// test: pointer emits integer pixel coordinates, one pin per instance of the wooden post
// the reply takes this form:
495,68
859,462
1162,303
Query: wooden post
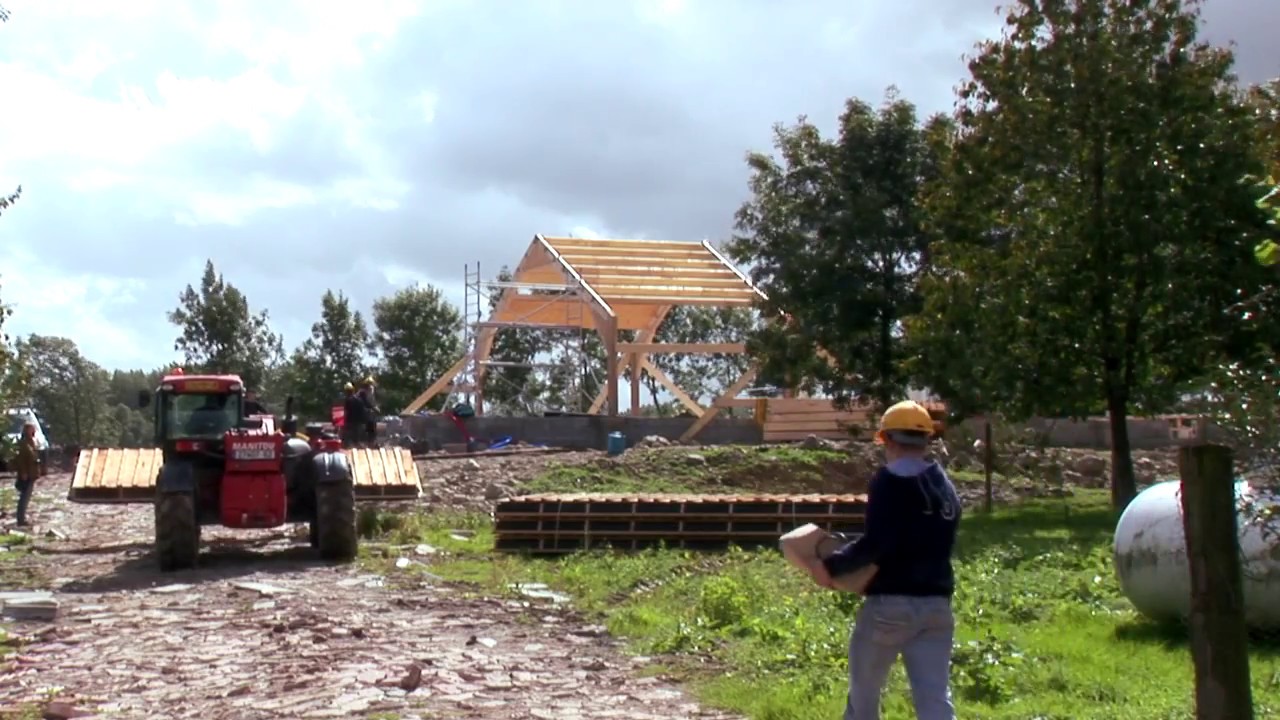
988,464
636,370
1219,639
609,329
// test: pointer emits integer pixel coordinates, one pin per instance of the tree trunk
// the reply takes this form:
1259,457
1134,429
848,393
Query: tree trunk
1123,484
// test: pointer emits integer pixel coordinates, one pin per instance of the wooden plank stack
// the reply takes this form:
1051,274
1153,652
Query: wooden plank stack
791,419
546,524
128,475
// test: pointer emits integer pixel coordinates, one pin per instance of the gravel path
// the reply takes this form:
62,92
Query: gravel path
261,630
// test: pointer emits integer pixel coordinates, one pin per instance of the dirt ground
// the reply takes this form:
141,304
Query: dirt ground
261,630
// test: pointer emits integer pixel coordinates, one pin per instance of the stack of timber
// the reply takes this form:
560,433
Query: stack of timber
568,523
791,419
128,475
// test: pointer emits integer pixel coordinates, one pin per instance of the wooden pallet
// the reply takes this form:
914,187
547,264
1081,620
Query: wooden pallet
791,419
567,523
128,475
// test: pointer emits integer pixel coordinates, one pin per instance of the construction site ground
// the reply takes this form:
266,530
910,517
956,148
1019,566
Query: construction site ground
262,630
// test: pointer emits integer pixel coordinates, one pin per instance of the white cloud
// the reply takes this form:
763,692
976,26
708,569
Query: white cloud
212,208
320,133
92,310
428,101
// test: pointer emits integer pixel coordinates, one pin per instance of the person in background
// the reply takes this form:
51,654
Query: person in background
371,411
912,516
28,467
252,406
353,417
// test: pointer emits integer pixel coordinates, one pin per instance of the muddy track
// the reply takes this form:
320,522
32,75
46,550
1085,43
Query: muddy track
263,630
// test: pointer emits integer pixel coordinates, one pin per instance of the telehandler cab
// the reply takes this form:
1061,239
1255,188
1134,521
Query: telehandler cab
221,467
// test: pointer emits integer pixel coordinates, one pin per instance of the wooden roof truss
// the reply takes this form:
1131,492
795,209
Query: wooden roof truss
607,286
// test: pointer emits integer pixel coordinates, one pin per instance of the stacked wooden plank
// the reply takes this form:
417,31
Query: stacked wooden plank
128,475
790,419
568,523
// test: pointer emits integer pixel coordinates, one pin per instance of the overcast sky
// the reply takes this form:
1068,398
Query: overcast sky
366,146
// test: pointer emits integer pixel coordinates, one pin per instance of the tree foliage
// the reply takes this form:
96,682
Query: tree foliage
219,333
702,376
1096,231
13,375
334,355
833,235
69,391
416,333
514,388
1264,101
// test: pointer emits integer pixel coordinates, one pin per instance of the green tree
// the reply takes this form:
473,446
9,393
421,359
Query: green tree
1264,101
833,235
416,336
220,334
514,388
702,376
1096,230
578,371
333,355
132,426
13,375
68,390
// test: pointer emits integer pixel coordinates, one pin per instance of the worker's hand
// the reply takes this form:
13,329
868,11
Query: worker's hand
821,575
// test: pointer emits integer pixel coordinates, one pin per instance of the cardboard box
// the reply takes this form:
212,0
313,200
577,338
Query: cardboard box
808,545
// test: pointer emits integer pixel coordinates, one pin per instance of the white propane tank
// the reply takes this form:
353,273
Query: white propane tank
1151,557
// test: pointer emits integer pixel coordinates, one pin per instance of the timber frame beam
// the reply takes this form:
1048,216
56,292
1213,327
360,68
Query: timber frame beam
608,286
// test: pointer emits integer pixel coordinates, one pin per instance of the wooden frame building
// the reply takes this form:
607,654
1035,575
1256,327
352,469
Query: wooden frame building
609,286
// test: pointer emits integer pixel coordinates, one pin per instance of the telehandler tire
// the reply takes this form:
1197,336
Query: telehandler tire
177,532
335,523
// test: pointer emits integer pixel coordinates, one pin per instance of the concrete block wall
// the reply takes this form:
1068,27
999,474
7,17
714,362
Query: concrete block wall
591,432
579,432
1095,433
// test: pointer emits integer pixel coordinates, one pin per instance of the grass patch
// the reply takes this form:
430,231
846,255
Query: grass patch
16,568
707,469
735,469
1043,630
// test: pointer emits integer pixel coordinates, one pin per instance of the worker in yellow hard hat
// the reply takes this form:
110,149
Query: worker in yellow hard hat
911,519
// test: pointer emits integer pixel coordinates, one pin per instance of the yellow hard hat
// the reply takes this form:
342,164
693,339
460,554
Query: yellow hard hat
907,422
348,386
368,380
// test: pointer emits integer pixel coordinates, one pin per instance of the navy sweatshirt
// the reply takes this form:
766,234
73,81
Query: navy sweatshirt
911,519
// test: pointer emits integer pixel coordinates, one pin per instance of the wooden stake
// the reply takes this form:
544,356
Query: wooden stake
1219,638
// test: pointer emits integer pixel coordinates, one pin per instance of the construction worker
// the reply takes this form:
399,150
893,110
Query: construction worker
371,411
912,515
353,417
28,467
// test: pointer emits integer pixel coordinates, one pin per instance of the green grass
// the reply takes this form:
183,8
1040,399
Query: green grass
16,570
733,469
1043,630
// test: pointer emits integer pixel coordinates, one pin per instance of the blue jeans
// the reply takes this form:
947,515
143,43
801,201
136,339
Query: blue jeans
24,486
921,630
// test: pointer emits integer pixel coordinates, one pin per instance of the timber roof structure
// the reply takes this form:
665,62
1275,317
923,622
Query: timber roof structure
607,286
637,282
